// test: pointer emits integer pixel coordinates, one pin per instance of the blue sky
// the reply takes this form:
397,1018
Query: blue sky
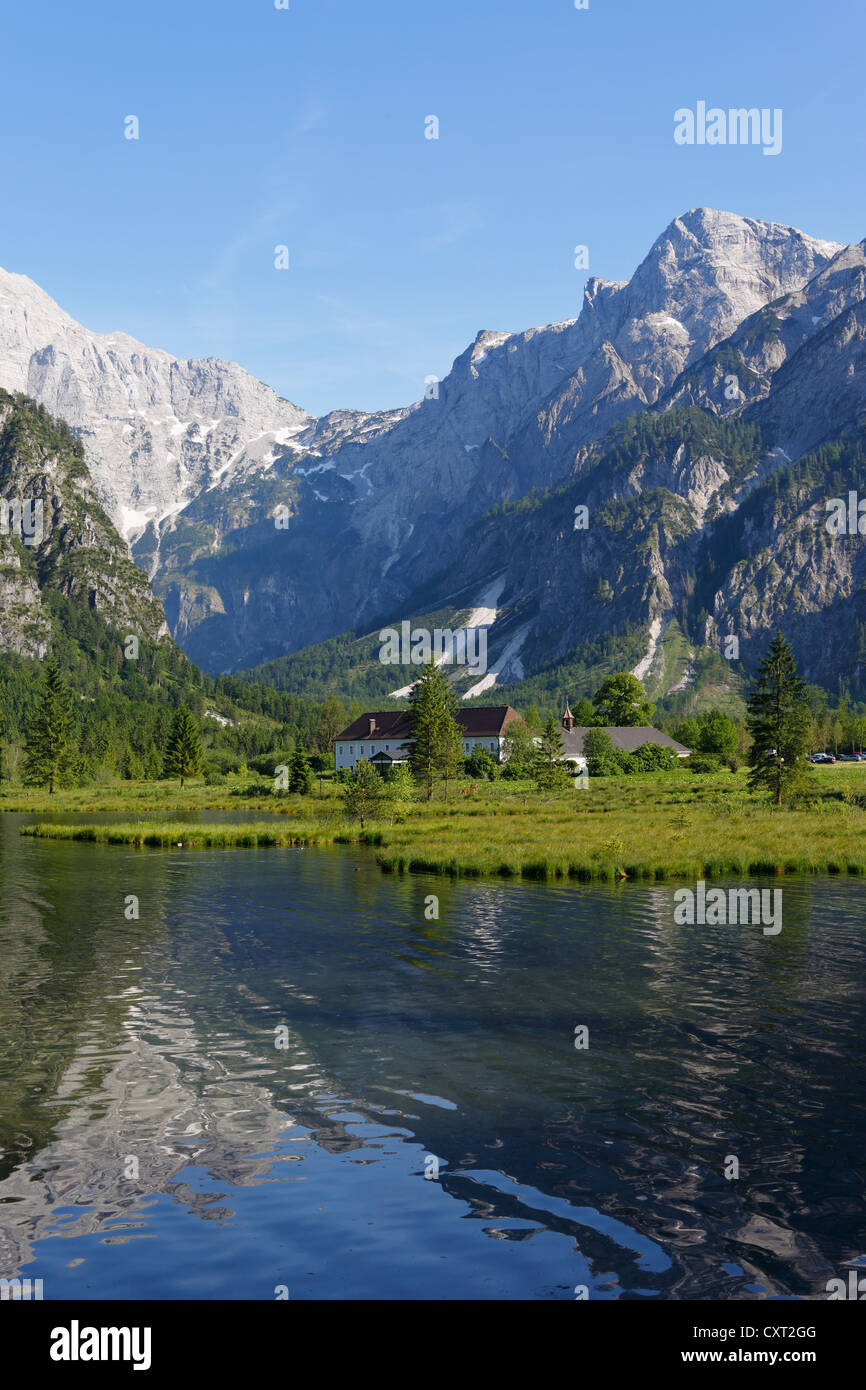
305,127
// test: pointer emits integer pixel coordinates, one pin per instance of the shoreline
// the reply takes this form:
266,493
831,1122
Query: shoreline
395,860
652,828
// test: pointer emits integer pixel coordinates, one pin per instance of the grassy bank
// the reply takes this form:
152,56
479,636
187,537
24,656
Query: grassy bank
155,799
189,836
668,825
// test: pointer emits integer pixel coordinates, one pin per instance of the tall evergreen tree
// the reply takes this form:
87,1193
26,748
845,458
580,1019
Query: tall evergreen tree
551,771
779,721
436,737
450,750
49,747
300,775
183,749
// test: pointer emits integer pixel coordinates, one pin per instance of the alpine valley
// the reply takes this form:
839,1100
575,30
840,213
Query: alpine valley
626,489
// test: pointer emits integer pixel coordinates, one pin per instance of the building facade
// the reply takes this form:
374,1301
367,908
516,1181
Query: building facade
627,738
383,736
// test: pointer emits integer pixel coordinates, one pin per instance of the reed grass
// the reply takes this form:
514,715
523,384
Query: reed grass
662,826
183,836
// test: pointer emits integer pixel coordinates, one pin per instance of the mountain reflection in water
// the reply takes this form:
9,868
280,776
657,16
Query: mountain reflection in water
156,1142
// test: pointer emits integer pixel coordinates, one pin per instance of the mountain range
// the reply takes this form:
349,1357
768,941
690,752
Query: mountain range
628,488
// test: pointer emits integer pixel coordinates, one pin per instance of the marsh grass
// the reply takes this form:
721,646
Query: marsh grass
180,835
655,827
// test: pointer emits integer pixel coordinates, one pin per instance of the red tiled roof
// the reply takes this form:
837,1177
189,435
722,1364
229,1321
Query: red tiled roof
476,722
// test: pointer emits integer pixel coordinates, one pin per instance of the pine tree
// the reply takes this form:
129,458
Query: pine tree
450,750
551,771
779,721
183,749
300,774
49,748
362,792
436,737
152,764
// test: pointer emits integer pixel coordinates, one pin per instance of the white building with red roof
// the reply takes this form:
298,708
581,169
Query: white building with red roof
382,737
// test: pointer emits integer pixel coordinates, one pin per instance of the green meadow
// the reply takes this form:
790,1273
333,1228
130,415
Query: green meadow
663,825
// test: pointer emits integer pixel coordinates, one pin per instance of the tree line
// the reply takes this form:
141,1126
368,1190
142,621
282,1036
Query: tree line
777,734
779,729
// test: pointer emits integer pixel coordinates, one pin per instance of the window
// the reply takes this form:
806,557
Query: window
351,748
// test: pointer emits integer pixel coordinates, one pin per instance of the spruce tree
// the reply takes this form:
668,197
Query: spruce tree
436,737
183,750
49,747
779,721
450,750
551,771
300,774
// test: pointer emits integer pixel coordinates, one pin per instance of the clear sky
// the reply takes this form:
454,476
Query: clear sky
305,127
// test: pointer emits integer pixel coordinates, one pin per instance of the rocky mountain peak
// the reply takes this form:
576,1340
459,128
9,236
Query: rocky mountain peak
709,270
191,457
157,429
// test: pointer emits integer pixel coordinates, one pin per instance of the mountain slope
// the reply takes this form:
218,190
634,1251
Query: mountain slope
56,542
69,589
157,430
193,459
465,502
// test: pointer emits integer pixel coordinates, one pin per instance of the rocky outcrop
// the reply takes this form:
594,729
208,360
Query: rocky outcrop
157,430
56,540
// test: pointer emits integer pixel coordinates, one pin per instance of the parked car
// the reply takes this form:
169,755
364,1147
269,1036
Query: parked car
849,757
822,758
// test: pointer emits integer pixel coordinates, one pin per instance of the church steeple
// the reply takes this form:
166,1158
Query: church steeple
567,717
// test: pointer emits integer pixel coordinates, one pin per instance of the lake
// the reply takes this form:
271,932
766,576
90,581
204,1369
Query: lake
286,1074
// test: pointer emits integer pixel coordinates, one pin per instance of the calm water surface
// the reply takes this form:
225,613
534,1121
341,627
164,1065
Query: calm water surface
156,1143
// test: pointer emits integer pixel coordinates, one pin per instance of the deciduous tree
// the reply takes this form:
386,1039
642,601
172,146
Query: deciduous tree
621,700
362,792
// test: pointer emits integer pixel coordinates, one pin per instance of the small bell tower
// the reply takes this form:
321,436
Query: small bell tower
567,717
